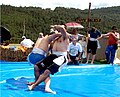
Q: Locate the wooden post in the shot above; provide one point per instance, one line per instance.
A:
(89, 15)
(24, 28)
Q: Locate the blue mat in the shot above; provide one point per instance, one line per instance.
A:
(72, 81)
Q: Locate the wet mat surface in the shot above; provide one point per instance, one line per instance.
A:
(72, 81)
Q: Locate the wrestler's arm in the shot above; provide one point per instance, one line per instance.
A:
(64, 33)
(106, 35)
(53, 36)
(116, 37)
(62, 30)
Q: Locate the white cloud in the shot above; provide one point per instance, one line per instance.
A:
(81, 4)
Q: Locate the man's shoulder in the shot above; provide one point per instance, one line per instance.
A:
(98, 31)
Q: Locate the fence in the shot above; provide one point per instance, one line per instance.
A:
(12, 55)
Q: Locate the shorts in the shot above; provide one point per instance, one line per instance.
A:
(49, 64)
(33, 58)
(92, 47)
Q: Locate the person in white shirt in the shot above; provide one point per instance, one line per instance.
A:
(26, 42)
(74, 52)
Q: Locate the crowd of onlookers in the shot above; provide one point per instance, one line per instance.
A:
(81, 47)
(76, 49)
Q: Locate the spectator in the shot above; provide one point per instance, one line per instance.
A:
(93, 36)
(110, 52)
(84, 45)
(26, 43)
(74, 52)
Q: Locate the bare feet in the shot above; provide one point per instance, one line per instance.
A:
(50, 91)
(31, 87)
(30, 83)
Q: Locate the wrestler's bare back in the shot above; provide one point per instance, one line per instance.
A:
(37, 43)
(44, 42)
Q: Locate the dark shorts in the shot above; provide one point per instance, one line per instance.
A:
(48, 63)
(92, 47)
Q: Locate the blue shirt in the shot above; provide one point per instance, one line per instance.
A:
(95, 34)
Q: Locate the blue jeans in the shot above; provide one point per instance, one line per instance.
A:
(110, 54)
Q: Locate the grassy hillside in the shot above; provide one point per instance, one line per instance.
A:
(36, 19)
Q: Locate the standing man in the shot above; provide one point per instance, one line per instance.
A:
(113, 38)
(93, 36)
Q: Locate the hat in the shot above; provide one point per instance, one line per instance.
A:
(24, 37)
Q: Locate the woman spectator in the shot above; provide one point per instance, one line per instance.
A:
(84, 45)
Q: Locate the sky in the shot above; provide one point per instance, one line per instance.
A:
(80, 4)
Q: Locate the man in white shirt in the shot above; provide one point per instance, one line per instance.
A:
(74, 52)
(26, 42)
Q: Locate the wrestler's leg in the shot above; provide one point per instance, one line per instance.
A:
(41, 78)
(47, 85)
(36, 74)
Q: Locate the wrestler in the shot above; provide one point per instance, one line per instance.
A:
(39, 53)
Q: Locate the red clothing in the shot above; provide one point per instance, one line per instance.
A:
(112, 40)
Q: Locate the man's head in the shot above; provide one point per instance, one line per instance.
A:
(93, 29)
(84, 38)
(40, 35)
(114, 28)
(23, 37)
(74, 40)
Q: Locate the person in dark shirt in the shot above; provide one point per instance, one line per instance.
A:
(93, 36)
